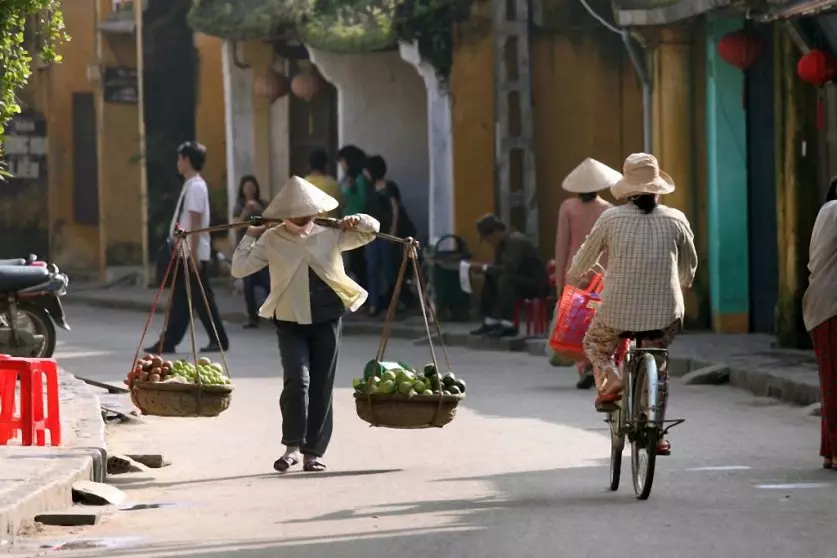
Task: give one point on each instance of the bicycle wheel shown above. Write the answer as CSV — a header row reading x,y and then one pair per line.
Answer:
x,y
617,441
646,433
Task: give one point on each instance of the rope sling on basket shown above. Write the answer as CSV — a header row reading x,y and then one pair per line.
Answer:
x,y
394,394
180,389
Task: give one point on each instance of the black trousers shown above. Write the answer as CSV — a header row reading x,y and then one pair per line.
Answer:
x,y
251,283
309,362
500,292
179,319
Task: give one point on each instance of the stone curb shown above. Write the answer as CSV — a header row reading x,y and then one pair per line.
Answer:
x,y
81,457
759,382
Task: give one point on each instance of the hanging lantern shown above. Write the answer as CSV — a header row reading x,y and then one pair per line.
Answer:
x,y
272,86
741,48
817,67
308,84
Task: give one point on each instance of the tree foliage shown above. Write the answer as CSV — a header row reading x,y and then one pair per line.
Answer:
x,y
28,28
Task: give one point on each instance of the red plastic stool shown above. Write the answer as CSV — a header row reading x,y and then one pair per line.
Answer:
x,y
31,421
534,313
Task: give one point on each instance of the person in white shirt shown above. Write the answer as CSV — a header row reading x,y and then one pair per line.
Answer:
x,y
309,294
192,213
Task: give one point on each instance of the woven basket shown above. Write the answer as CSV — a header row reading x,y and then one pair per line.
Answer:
x,y
181,400
397,411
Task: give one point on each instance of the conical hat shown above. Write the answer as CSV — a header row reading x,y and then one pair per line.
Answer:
x,y
299,198
590,176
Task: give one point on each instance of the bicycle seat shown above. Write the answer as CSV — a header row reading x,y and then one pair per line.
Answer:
x,y
640,336
15,278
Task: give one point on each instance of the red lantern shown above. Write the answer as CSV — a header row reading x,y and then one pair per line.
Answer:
x,y
271,86
308,84
817,67
741,48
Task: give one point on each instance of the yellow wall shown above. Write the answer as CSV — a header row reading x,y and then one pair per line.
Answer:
x,y
76,247
120,152
472,111
210,112
72,245
259,56
587,103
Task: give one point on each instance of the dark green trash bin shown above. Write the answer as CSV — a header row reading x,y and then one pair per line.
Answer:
x,y
451,301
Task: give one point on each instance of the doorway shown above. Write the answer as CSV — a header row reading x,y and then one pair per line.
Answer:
x,y
313,125
761,189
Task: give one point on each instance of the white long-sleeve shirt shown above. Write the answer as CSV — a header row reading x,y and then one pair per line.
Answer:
x,y
289,258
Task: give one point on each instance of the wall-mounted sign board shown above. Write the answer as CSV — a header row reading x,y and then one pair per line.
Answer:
x,y
120,85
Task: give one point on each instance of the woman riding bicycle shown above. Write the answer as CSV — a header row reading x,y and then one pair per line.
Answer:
x,y
651,256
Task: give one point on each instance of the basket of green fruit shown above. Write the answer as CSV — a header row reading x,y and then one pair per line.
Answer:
x,y
179,389
395,395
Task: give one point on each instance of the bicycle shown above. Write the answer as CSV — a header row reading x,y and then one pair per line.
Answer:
x,y
639,414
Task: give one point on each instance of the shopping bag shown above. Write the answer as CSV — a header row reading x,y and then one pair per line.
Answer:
x,y
575,311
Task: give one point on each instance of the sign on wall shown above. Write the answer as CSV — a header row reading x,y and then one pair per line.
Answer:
x,y
121,85
24,203
25,147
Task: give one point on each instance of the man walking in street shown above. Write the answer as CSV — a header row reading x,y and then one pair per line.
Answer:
x,y
192,213
517,273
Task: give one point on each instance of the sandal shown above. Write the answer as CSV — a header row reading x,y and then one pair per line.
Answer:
x,y
607,402
284,463
664,447
314,465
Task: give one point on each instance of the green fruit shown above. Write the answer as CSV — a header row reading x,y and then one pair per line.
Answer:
x,y
446,392
204,361
356,382
454,390
389,375
386,387
429,370
372,389
404,388
373,381
461,385
372,368
448,379
419,386
404,376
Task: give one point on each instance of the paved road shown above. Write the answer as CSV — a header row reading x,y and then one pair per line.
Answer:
x,y
520,473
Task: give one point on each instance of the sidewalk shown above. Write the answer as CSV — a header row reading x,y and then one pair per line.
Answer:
x,y
788,375
34,480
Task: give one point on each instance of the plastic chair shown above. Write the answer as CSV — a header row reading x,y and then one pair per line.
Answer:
x,y
534,314
28,418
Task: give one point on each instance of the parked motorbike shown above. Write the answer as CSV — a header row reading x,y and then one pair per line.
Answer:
x,y
30,307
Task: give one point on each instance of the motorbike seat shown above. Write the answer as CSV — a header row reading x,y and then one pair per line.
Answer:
x,y
15,278
14,261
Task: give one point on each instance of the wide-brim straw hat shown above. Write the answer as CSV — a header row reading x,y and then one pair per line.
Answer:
x,y
299,198
641,174
590,176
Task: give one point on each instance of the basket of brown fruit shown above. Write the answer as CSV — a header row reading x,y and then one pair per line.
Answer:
x,y
179,388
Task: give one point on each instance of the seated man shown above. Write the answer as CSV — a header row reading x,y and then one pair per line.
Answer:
x,y
517,273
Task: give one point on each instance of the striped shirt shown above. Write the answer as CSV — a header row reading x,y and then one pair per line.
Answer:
x,y
649,258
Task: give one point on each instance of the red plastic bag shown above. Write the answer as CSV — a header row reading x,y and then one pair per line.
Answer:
x,y
575,311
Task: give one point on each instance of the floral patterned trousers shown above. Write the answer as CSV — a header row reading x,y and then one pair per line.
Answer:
x,y
603,346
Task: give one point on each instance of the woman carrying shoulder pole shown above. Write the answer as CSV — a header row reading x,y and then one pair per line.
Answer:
x,y
309,294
